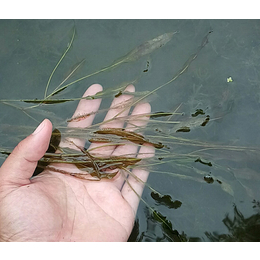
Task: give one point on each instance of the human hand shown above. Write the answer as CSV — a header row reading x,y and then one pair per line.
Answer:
x,y
57,207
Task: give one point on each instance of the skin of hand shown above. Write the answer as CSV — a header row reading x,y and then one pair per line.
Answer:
x,y
57,207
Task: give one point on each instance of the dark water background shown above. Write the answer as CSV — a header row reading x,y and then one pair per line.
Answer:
x,y
30,49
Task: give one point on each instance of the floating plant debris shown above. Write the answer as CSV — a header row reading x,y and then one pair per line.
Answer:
x,y
208,179
183,129
229,79
160,114
220,182
205,121
147,66
166,200
203,162
45,101
198,112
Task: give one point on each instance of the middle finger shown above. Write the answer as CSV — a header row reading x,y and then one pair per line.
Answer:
x,y
119,105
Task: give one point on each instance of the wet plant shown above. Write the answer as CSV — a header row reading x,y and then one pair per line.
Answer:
x,y
163,131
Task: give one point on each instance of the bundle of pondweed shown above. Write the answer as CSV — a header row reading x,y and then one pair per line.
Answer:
x,y
159,133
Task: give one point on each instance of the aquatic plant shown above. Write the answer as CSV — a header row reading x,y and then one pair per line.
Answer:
x,y
161,132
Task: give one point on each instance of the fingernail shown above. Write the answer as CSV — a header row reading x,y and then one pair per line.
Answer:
x,y
39,128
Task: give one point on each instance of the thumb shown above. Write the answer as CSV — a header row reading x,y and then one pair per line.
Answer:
x,y
19,167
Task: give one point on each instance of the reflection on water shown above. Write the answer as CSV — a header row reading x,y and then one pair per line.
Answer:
x,y
239,228
208,160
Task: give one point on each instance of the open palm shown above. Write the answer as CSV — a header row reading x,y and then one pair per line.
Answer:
x,y
58,207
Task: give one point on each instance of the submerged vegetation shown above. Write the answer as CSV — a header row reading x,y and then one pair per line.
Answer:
x,y
163,132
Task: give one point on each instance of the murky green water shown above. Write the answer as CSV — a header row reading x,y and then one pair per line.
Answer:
x,y
228,208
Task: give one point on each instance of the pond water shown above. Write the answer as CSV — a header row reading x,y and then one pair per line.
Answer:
x,y
219,198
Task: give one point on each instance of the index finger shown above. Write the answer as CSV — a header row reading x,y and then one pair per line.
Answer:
x,y
83,115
